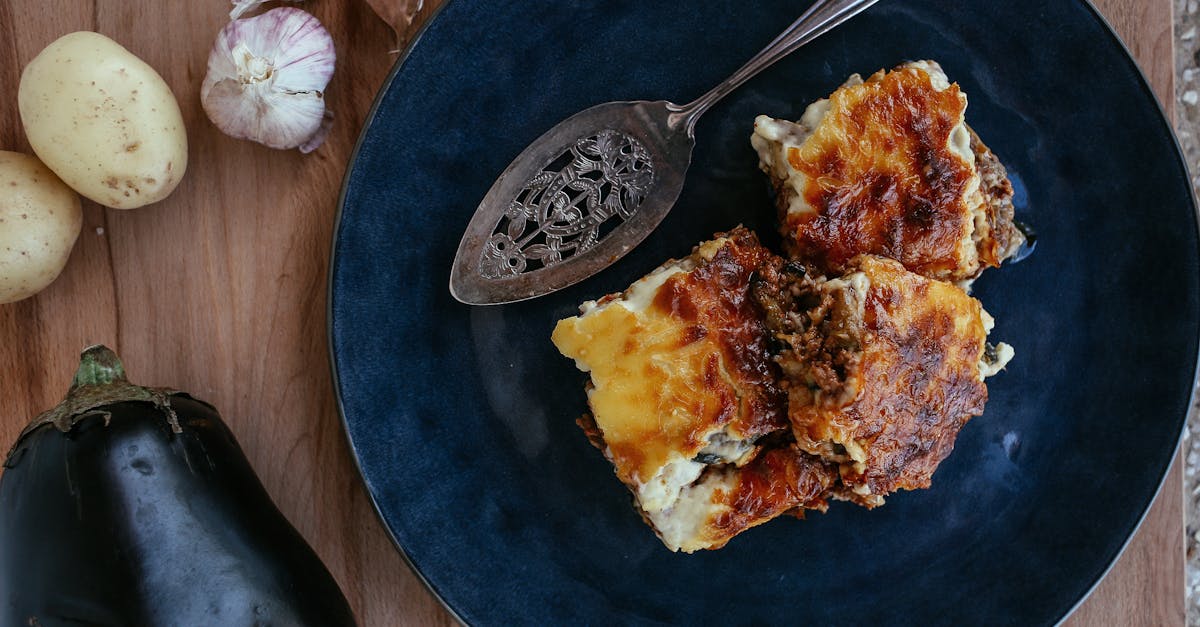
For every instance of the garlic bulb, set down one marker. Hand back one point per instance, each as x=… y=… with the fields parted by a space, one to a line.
x=266 y=75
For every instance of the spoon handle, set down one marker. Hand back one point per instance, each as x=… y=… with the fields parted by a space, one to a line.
x=822 y=16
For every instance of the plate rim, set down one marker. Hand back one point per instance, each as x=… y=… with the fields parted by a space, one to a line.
x=1181 y=160
x=365 y=484
x=331 y=351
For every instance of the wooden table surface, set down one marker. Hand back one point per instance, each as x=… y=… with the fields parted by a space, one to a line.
x=220 y=290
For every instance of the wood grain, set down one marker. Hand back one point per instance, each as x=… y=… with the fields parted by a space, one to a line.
x=221 y=289
x=404 y=16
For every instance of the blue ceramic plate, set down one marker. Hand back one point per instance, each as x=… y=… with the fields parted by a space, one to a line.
x=462 y=418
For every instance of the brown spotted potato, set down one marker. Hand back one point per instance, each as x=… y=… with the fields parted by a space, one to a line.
x=103 y=120
x=40 y=218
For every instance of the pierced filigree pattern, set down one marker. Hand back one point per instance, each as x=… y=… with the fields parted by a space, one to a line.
x=570 y=206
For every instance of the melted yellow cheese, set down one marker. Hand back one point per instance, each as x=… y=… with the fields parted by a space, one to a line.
x=654 y=396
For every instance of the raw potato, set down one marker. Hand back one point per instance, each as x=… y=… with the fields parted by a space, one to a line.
x=40 y=218
x=103 y=121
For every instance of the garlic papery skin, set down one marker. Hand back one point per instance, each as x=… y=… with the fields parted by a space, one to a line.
x=266 y=78
x=244 y=6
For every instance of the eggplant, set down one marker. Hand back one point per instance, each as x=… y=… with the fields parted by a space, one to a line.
x=127 y=505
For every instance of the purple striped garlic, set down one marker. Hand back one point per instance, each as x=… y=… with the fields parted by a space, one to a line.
x=266 y=79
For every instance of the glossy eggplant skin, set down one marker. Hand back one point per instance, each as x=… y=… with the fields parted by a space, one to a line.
x=122 y=521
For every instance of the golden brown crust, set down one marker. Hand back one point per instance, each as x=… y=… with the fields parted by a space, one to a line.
x=714 y=300
x=781 y=480
x=902 y=197
x=884 y=395
x=693 y=362
x=890 y=168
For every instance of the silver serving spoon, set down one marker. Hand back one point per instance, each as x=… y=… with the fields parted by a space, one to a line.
x=594 y=186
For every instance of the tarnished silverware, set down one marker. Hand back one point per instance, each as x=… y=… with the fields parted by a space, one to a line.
x=594 y=186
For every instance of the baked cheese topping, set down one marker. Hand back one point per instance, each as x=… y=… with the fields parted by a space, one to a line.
x=883 y=166
x=912 y=371
x=726 y=501
x=681 y=376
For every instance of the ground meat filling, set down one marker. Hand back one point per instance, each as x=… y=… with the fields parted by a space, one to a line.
x=998 y=237
x=816 y=336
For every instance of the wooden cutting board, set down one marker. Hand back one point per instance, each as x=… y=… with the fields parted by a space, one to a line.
x=220 y=289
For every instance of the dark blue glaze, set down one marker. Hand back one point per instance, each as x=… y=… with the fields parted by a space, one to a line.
x=462 y=418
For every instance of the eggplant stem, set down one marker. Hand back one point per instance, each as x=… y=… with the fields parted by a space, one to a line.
x=98 y=365
x=99 y=382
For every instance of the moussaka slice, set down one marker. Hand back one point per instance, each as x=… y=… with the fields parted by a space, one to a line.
x=888 y=166
x=683 y=393
x=882 y=367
